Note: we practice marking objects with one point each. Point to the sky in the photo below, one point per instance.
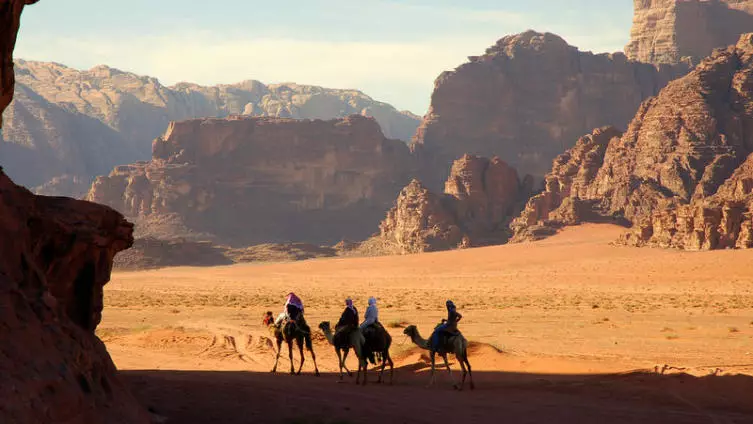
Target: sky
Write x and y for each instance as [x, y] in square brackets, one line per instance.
[391, 50]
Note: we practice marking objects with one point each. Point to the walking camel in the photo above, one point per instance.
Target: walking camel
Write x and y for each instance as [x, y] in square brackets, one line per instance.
[455, 344]
[288, 332]
[378, 342]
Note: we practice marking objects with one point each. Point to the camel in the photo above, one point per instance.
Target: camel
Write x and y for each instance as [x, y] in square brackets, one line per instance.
[456, 344]
[378, 343]
[290, 332]
[342, 351]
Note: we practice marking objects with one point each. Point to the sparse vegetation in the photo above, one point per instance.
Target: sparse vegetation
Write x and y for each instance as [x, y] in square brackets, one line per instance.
[398, 323]
[734, 330]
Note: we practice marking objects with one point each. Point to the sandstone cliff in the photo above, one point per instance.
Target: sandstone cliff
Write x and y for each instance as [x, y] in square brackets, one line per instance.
[55, 256]
[43, 142]
[67, 124]
[480, 195]
[527, 99]
[249, 180]
[679, 173]
[671, 31]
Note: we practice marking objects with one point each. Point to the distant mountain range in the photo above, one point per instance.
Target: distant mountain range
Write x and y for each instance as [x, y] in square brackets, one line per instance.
[67, 126]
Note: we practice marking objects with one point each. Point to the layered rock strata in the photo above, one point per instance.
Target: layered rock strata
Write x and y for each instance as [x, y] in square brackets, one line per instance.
[526, 99]
[244, 181]
[480, 195]
[681, 174]
[672, 31]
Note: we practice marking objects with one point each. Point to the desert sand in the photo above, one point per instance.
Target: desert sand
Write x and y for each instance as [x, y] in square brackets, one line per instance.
[570, 329]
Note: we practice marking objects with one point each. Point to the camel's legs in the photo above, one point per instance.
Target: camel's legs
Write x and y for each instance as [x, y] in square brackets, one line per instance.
[277, 359]
[468, 365]
[433, 363]
[462, 367]
[299, 342]
[345, 357]
[340, 360]
[290, 354]
[385, 360]
[365, 371]
[392, 367]
[446, 364]
[313, 358]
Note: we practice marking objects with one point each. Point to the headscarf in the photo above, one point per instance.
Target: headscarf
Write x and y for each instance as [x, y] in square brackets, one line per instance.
[349, 304]
[450, 305]
[372, 301]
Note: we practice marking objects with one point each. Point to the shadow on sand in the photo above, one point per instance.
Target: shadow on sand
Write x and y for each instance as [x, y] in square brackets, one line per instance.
[636, 397]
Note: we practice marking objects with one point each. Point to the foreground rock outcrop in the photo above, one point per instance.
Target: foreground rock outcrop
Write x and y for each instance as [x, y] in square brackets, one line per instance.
[244, 180]
[681, 174]
[55, 256]
[480, 195]
[527, 99]
[671, 31]
[66, 124]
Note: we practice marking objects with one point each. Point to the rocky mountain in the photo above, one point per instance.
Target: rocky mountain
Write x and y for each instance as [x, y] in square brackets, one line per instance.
[671, 31]
[55, 256]
[47, 144]
[526, 99]
[479, 198]
[681, 174]
[74, 125]
[246, 180]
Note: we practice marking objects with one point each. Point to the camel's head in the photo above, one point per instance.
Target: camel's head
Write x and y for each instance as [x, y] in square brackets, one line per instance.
[324, 326]
[410, 331]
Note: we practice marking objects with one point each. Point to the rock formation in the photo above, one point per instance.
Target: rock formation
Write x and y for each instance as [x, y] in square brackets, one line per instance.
[680, 172]
[70, 124]
[44, 143]
[565, 188]
[672, 31]
[480, 195]
[526, 99]
[55, 256]
[246, 180]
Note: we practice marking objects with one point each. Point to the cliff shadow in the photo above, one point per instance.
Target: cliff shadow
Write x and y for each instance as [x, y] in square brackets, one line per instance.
[636, 397]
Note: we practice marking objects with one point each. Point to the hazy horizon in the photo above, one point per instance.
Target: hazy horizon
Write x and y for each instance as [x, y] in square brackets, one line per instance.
[391, 51]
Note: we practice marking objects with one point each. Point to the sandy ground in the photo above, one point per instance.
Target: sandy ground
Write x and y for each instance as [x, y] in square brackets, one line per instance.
[571, 329]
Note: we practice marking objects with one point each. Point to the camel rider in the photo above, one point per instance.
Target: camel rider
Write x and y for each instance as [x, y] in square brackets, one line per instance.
[372, 314]
[347, 326]
[292, 311]
[447, 328]
[371, 324]
[349, 317]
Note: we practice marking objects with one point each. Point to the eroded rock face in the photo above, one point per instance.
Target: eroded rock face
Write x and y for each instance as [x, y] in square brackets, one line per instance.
[256, 180]
[563, 201]
[55, 256]
[527, 99]
[66, 122]
[480, 196]
[680, 173]
[671, 31]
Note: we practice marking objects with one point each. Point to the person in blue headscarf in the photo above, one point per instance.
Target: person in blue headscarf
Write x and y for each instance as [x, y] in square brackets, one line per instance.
[448, 327]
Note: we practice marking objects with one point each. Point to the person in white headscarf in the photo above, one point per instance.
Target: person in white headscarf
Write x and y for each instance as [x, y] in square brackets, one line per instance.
[372, 314]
